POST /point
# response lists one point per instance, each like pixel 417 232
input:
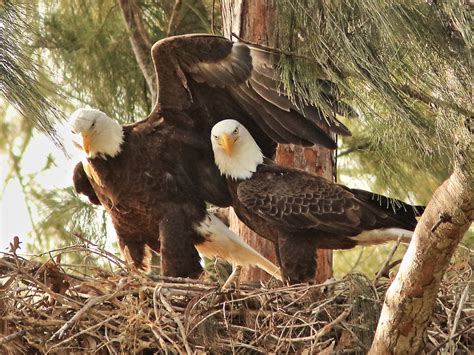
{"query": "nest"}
pixel 46 307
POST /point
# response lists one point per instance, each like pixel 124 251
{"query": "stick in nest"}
pixel 176 319
pixel 91 302
pixel 12 337
pixel 384 269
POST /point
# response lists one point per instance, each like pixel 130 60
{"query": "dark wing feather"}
pixel 399 213
pixel 297 200
pixel 269 114
pixel 247 73
pixel 264 121
pixel 264 80
pixel 82 184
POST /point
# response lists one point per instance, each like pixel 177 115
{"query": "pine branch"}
pixel 358 147
pixel 11 173
pixel 371 51
pixel 19 72
pixel 174 18
pixel 430 100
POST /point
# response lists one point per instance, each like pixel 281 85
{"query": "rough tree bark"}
pixel 409 300
pixel 253 21
pixel 141 43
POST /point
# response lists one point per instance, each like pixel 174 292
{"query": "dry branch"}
pixel 410 299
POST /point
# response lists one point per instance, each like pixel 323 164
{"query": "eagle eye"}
pixel 236 131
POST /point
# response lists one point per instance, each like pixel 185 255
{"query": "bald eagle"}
pixel 135 210
pixel 300 211
pixel 155 176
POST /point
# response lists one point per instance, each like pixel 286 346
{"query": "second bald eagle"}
pixel 299 211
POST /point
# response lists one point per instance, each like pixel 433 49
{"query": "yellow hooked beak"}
pixel 86 143
pixel 227 143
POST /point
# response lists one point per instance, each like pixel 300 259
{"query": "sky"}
pixel 14 218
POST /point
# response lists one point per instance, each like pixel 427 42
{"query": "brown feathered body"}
pixel 301 212
pixel 156 189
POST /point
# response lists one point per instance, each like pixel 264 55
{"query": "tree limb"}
pixel 356 148
pixel 141 43
pixel 431 100
pixel 409 300
pixel 174 18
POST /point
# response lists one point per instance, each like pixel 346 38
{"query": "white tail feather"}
pixel 379 236
pixel 222 242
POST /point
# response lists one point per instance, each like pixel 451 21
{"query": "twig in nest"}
pixel 203 320
pixel 462 301
pixel 12 337
pixel 102 252
pixel 177 321
pixel 91 302
pixel 15 245
pixel 384 269
pixel 325 330
pixel 461 332
pixel 391 266
pixel 87 330
pixel 181 280
pixel 328 327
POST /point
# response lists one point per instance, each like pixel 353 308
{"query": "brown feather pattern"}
pixel 300 212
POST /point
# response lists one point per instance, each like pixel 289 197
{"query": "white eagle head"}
pixel 101 135
pixel 235 151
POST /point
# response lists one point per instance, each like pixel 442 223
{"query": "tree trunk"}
pixel 409 300
pixel 253 21
pixel 141 43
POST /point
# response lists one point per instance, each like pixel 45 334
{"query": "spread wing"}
pixel 82 184
pixel 247 74
pixel 296 200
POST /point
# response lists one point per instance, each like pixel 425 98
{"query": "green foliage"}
pixel 176 17
pixel 63 216
pixel 405 67
pixel 89 46
pixel 63 210
pixel 19 72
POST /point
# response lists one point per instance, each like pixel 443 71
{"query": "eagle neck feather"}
pixel 107 143
pixel 242 164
